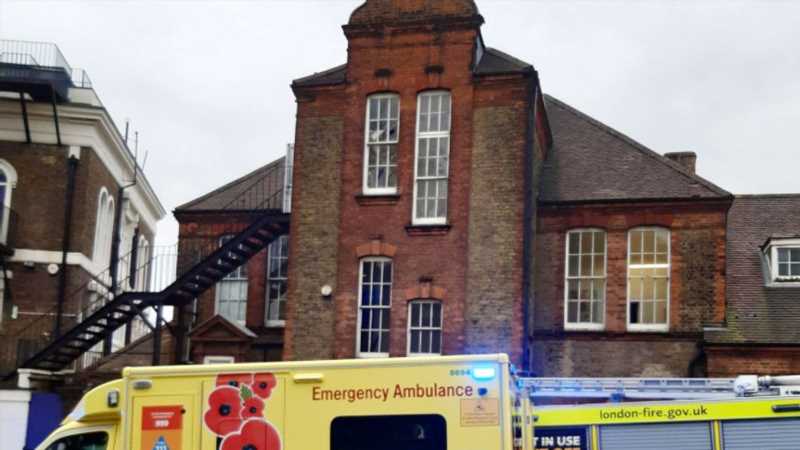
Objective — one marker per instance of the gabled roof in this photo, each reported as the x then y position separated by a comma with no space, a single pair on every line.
759,311
591,161
220,328
263,186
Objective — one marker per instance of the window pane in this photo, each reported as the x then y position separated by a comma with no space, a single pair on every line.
426,314
599,242
572,312
636,242
648,241
783,269
572,289
661,312
374,341
585,312
436,342
586,242
384,319
794,255
364,347
662,244
634,313
598,265
585,289
414,341
425,346
437,315
573,266
795,270
384,342
574,243
586,265
365,318
597,312
415,315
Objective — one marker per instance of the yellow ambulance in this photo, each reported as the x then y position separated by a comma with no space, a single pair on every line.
436,403
755,423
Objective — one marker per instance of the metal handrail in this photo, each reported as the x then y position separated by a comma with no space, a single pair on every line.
41,54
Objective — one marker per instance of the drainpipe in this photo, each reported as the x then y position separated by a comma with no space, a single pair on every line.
528,214
72,167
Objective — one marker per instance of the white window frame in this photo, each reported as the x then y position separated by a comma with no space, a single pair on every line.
649,327
390,190
229,278
585,326
275,322
431,134
423,329
212,359
775,269
10,184
386,308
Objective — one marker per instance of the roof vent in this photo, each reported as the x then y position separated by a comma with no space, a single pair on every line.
687,159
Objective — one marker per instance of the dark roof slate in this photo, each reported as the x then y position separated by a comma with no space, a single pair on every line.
261,187
335,75
590,161
757,311
495,62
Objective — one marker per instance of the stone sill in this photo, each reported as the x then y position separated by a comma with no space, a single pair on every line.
374,200
428,230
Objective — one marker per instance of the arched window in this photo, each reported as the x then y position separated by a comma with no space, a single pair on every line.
104,227
424,327
142,263
8,180
374,307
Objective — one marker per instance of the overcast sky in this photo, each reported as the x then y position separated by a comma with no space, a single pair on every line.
206,84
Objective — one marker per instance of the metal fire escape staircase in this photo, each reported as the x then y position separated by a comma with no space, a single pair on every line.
126,306
262,197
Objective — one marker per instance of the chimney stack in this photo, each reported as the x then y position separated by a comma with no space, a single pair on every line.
687,159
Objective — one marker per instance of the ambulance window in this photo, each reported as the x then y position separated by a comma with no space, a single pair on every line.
86,441
420,432
774,434
659,436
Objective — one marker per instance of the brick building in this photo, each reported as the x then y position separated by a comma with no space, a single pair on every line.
442,204
74,204
763,271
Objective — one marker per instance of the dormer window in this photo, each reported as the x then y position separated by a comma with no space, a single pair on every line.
784,259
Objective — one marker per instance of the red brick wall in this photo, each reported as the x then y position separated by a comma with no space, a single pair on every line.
697,278
730,361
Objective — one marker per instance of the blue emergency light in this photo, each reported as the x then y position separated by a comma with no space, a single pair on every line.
484,373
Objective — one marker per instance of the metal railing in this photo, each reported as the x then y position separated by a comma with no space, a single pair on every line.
29,53
41,54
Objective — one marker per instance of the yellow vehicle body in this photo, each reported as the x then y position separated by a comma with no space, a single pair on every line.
436,403
757,423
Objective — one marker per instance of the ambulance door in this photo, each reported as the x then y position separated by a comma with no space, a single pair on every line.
163,423
245,409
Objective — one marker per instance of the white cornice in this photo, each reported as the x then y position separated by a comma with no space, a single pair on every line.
87,126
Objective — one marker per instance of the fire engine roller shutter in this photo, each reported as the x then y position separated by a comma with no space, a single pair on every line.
775,434
666,436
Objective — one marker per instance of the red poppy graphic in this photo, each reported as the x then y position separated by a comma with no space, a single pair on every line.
224,410
256,434
234,379
253,407
263,383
